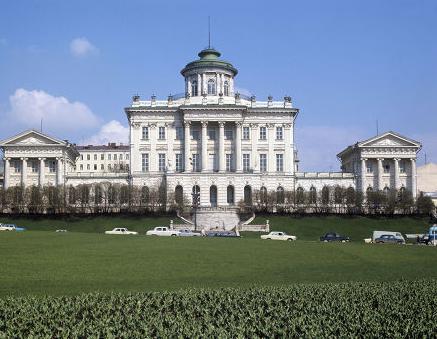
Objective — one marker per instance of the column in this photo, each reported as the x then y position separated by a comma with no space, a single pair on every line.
396,177
238,126
254,133
413,178
221,84
170,137
153,157
204,146
199,85
288,168
23,171
187,145
6,173
222,160
380,170
363,175
203,84
58,171
41,171
217,86
271,157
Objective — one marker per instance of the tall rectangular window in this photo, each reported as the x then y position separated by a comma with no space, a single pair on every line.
246,162
369,167
145,135
81,157
229,163
95,167
127,156
145,162
179,162
34,166
102,156
246,133
402,166
161,162
88,157
279,163
81,167
179,133
211,134
196,165
115,156
161,133
279,133
262,133
109,156
229,134
95,156
102,167
263,162
52,166
88,167
195,134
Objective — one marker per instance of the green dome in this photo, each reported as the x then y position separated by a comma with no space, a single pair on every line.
209,57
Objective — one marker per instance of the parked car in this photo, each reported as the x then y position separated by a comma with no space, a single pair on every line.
275,235
61,231
424,239
188,233
11,227
389,239
121,230
163,231
331,236
225,234
378,234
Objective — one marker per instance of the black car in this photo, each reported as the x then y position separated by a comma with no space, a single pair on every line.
224,234
331,236
424,239
389,239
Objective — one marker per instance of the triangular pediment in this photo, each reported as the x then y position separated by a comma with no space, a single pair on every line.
389,139
31,138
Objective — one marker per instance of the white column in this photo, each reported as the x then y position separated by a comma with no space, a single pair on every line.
288,166
271,157
204,146
171,158
363,175
222,160
187,145
203,84
396,177
41,171
199,85
254,133
238,126
23,171
413,178
153,157
217,85
58,171
6,173
380,170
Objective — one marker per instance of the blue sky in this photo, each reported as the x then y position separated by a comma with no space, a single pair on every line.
346,64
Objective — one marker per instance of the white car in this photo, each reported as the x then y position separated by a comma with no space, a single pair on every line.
121,230
7,227
163,232
278,236
188,233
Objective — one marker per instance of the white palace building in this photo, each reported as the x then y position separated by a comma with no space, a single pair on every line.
210,140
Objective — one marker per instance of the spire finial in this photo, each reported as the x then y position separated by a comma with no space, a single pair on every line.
209,31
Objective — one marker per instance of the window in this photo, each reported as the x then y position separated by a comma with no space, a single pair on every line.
109,156
246,162
102,156
81,167
179,162
95,167
211,87
145,162
81,157
279,134
263,162
52,166
262,133
161,133
95,156
102,167
88,157
211,134
195,162
88,167
369,167
226,88
179,133
109,167
115,156
229,165
195,134
402,166
279,162
229,134
246,133
161,162
34,166
126,156
145,135
194,92
386,168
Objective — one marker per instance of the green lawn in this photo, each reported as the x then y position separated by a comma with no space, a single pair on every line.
45,262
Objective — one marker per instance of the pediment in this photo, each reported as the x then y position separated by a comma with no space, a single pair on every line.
31,138
389,139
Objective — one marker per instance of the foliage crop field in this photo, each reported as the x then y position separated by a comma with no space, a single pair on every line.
383,310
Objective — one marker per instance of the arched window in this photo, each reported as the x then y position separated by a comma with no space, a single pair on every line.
211,87
299,195
194,92
263,195
313,195
280,197
226,88
196,195
230,195
386,190
213,196
369,191
179,195
248,195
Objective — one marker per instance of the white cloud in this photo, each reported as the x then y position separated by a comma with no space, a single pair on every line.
59,115
112,131
81,47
